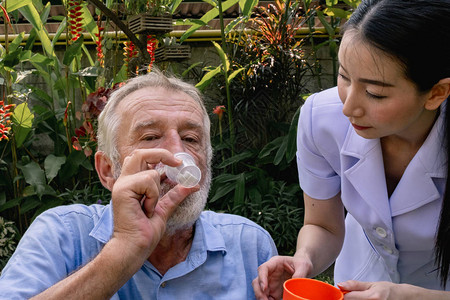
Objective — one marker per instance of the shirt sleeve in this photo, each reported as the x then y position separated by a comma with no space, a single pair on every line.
44,256
317,177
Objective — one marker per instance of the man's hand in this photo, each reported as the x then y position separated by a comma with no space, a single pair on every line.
273,273
140,215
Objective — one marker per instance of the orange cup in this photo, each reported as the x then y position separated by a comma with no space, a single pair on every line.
310,289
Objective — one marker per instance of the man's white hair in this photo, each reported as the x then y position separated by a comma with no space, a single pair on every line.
109,119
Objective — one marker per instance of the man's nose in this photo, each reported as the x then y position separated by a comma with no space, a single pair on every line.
352,105
173,142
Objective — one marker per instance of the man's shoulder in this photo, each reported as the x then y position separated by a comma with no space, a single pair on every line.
229,220
74,212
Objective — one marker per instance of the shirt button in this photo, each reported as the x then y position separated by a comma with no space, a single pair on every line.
387,249
163,285
381,232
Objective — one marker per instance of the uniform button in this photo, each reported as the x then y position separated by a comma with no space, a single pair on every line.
381,232
387,249
163,285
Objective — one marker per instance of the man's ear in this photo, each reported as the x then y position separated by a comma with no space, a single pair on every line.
104,169
439,92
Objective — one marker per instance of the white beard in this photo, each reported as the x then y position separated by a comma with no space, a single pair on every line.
187,213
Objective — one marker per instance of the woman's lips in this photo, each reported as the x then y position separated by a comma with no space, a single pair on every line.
360,127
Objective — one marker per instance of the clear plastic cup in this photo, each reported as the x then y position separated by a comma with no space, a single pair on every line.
187,174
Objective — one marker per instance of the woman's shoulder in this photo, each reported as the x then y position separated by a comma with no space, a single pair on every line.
322,113
326,101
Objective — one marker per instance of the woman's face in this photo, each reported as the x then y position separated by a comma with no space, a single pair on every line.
378,99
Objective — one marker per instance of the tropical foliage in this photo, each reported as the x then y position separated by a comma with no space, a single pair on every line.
47,132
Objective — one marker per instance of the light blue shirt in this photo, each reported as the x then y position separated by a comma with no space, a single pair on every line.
222,262
387,237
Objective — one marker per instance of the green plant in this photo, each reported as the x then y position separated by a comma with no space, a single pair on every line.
8,241
152,7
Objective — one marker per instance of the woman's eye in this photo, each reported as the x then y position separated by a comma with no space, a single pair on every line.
343,77
374,96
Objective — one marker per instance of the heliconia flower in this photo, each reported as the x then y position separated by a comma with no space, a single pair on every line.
218,110
99,35
130,52
152,44
5,122
75,19
66,114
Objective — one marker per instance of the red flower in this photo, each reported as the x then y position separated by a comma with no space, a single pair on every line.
99,35
218,110
5,122
74,19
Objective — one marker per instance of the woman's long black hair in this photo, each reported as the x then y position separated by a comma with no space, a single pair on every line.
417,33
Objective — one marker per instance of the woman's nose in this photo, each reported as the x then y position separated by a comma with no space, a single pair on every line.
352,105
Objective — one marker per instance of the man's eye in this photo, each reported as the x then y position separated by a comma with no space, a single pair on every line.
190,140
150,138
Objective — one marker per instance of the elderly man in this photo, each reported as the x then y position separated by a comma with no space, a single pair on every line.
154,241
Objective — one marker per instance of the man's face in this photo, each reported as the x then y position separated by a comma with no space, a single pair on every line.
157,118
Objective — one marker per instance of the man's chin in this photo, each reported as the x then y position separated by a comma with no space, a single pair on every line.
187,213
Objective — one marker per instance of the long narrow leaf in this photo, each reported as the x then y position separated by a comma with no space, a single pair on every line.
207,78
32,15
247,6
239,192
223,57
16,4
207,17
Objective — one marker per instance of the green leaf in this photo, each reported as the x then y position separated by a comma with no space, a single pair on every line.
234,74
292,138
22,116
73,51
10,203
190,68
207,17
207,78
270,147
174,5
121,76
61,28
223,57
239,191
247,6
16,42
328,27
222,191
22,119
281,151
236,158
337,12
31,14
16,4
52,165
2,198
33,174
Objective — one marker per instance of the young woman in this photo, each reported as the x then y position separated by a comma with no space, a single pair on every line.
372,159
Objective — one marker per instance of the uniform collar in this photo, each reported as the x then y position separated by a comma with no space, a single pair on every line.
365,171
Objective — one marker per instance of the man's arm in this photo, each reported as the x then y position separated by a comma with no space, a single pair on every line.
139,222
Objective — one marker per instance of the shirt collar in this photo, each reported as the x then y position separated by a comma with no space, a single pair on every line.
206,237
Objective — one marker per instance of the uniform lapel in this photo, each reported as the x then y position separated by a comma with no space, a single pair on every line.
421,182
363,168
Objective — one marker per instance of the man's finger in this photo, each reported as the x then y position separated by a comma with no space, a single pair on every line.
170,201
140,159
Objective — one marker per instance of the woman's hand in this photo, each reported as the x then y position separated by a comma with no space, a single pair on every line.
381,290
273,273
